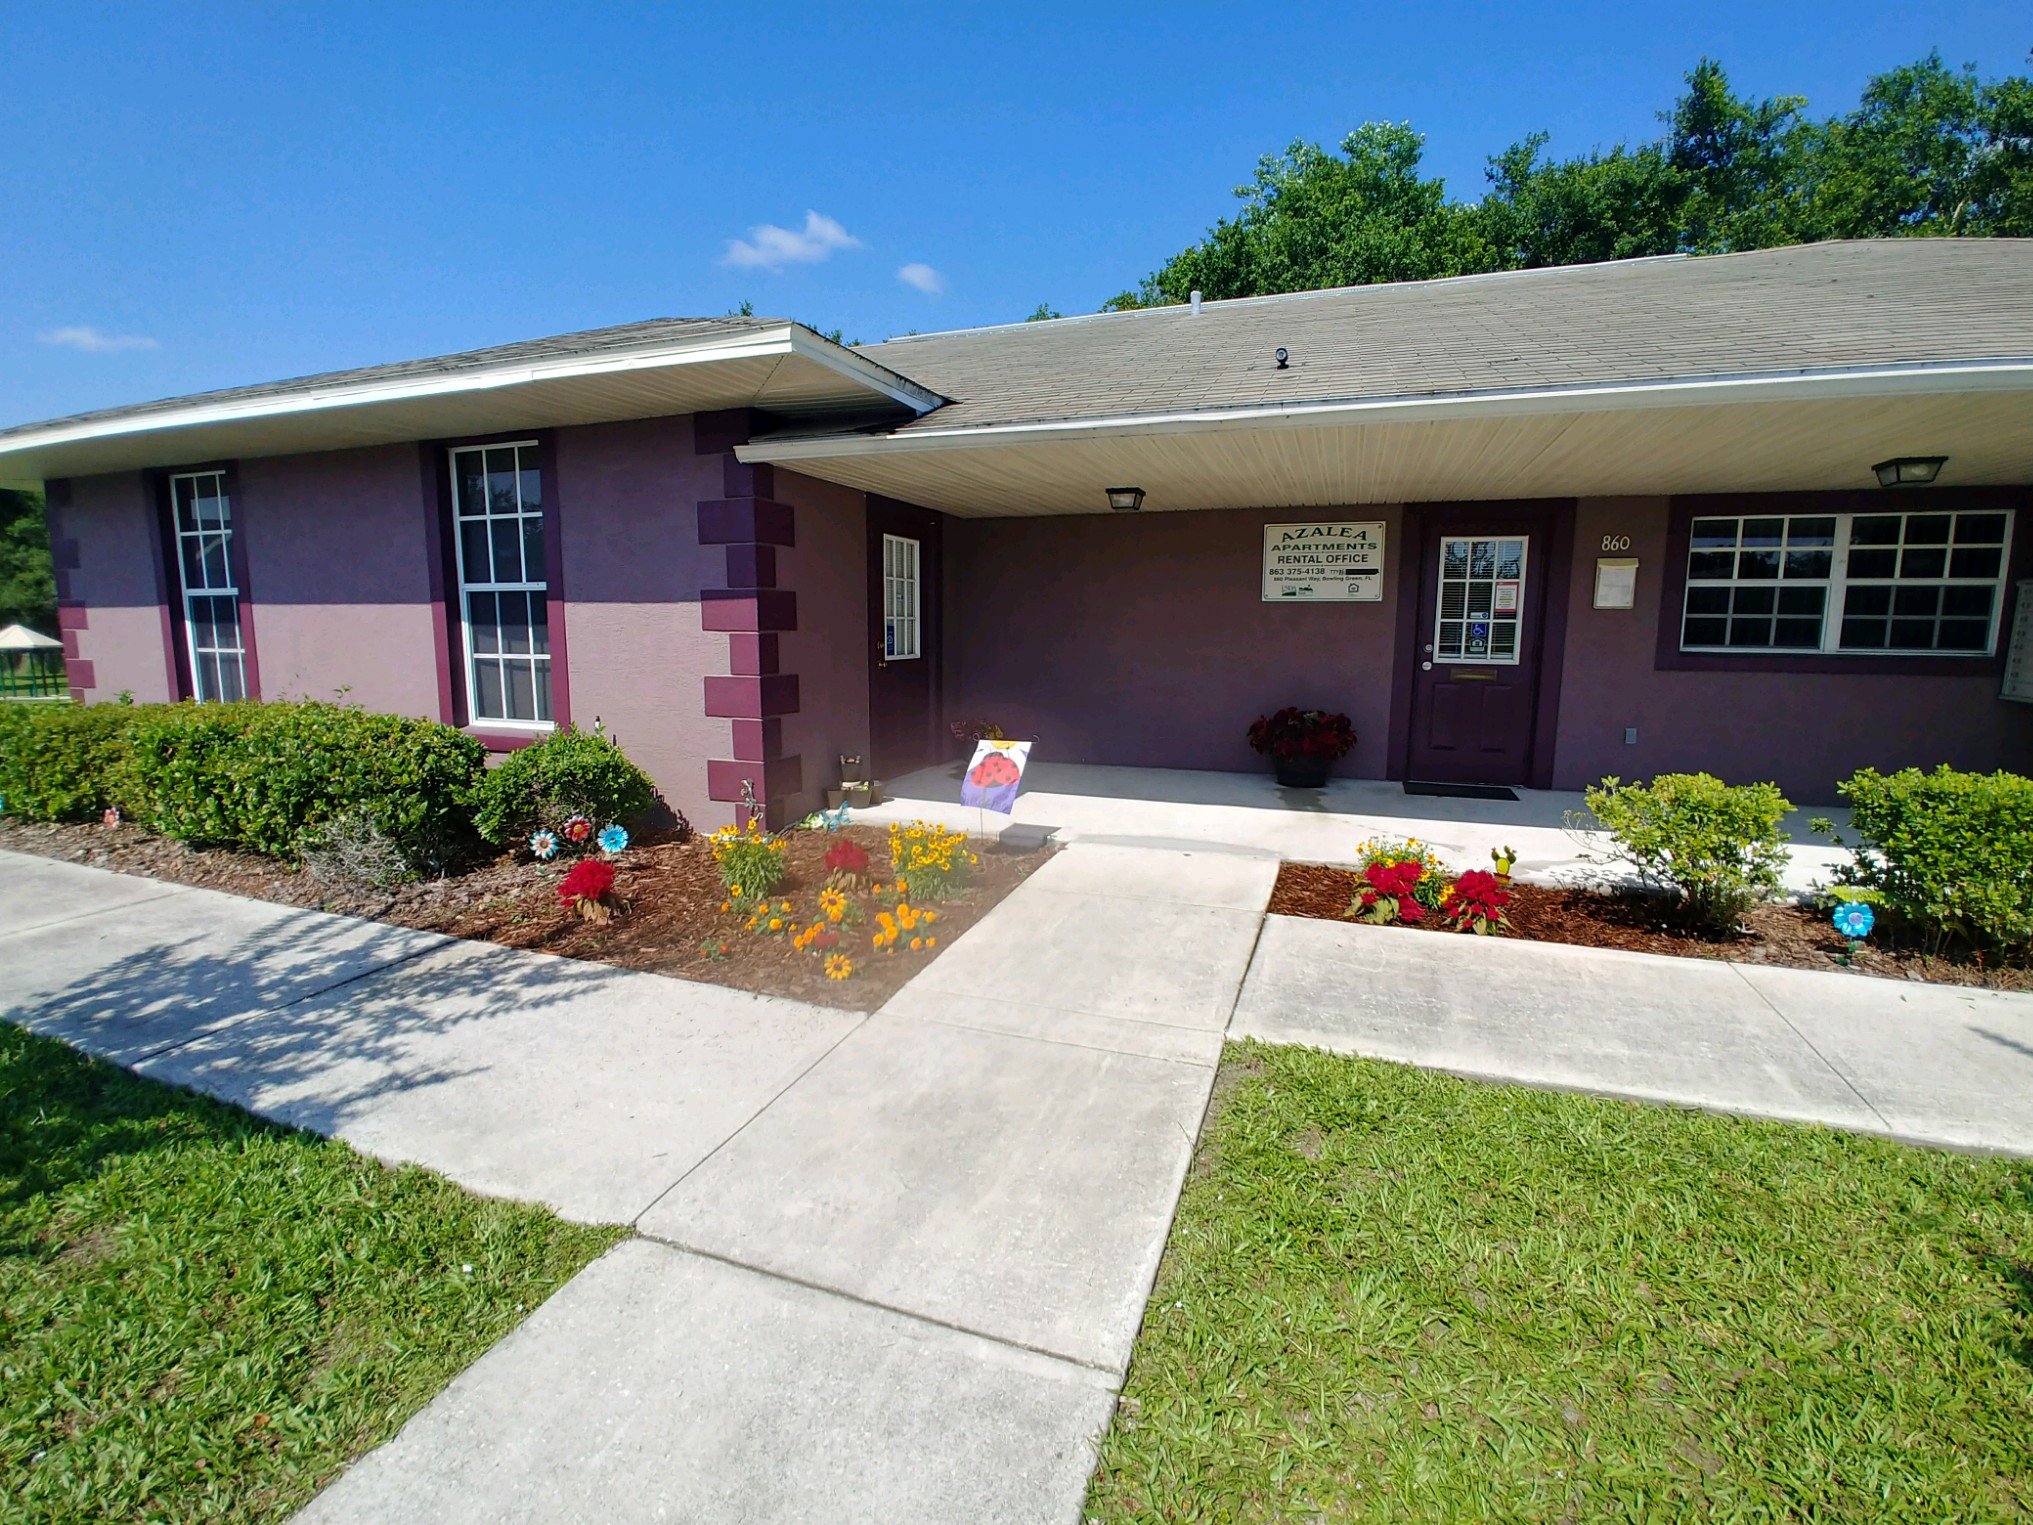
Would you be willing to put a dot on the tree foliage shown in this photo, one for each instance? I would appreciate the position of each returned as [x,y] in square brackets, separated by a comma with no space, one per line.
[27,583]
[1928,150]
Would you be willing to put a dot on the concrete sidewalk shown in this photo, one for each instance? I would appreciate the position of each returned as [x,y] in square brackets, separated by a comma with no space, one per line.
[894,1265]
[1932,1064]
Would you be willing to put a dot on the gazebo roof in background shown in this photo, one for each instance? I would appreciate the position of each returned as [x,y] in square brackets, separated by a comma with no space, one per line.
[21,638]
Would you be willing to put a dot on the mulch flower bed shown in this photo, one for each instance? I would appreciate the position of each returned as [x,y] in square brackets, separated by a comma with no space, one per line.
[669,893]
[1792,936]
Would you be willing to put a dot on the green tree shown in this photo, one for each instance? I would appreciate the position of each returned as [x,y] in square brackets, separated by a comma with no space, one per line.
[1044,312]
[1928,150]
[1312,218]
[27,583]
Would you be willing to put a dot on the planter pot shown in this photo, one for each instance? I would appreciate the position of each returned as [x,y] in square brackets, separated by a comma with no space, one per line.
[860,797]
[1301,772]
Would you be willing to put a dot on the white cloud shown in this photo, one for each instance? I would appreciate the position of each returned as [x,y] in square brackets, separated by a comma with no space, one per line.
[93,342]
[769,247]
[922,278]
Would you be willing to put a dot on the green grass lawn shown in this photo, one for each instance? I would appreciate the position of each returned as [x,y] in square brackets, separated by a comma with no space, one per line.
[203,1316]
[1398,1296]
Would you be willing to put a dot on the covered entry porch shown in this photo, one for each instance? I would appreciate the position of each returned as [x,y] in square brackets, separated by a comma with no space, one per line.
[1249,813]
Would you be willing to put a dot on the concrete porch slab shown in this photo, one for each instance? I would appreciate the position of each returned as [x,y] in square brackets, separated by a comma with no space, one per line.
[171,966]
[659,1386]
[588,1088]
[38,892]
[1939,1063]
[1018,1188]
[1081,802]
[1619,1024]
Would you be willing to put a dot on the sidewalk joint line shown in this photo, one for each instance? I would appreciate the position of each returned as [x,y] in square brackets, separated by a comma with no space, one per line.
[1848,1084]
[775,1097]
[933,1320]
[1092,1048]
[170,890]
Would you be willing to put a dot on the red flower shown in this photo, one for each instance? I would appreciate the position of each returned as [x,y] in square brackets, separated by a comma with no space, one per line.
[1410,909]
[590,879]
[1293,732]
[847,856]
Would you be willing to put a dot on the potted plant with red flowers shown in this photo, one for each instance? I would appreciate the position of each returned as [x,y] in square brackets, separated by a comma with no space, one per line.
[1303,745]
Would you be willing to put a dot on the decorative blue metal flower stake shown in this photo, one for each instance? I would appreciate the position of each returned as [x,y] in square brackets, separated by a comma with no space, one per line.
[1853,920]
[613,838]
[543,844]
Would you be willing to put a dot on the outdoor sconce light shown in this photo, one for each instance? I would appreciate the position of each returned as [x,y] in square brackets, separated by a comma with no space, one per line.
[1909,470]
[1125,500]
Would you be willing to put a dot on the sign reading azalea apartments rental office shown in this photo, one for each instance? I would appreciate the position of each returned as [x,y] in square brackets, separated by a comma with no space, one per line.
[1337,562]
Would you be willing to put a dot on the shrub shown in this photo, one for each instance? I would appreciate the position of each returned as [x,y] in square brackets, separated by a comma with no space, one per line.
[930,862]
[568,773]
[751,860]
[1718,846]
[351,850]
[65,762]
[1948,851]
[266,778]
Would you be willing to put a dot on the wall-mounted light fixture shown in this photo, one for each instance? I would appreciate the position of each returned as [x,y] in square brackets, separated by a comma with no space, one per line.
[1125,500]
[1909,470]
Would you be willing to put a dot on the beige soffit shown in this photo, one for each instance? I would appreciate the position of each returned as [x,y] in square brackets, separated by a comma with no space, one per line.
[647,370]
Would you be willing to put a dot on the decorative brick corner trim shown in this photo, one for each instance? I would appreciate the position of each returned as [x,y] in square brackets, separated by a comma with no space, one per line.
[753,612]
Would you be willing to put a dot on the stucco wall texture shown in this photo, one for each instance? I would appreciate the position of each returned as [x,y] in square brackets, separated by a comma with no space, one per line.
[338,575]
[632,570]
[116,585]
[1804,731]
[829,651]
[1143,639]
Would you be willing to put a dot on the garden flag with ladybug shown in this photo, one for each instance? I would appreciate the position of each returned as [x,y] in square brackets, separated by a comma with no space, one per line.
[994,774]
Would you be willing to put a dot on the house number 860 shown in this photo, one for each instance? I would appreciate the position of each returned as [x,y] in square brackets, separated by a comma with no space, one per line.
[1616,542]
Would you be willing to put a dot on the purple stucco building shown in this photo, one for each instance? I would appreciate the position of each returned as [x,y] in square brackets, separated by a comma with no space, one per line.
[1526,529]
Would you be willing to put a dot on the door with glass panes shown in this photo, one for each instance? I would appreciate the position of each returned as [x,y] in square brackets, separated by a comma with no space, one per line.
[1475,694]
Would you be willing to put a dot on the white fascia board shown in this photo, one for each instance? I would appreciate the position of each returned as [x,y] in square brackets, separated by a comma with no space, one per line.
[766,343]
[837,358]
[1887,381]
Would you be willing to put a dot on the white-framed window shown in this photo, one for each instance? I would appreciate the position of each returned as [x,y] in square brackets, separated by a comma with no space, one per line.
[899,598]
[211,594]
[498,529]
[1923,582]
[1482,598]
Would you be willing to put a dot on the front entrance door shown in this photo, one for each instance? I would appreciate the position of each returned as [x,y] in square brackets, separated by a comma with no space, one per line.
[903,636]
[1475,696]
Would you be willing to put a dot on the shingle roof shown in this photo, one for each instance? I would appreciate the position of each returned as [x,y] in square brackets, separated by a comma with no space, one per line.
[594,341]
[1814,307]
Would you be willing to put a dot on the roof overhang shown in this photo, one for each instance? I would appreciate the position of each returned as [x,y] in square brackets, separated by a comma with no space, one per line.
[786,370]
[1799,431]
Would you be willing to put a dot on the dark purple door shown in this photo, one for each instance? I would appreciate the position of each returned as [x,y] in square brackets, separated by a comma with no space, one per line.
[903,637]
[1481,619]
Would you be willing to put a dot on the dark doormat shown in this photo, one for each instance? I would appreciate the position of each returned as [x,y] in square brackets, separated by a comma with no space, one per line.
[1463,791]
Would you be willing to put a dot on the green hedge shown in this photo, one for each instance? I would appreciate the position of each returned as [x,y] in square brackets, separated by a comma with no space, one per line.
[568,773]
[64,762]
[258,777]
[1948,852]
[1718,845]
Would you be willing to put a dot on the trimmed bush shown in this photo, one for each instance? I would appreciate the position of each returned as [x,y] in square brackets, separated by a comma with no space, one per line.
[1718,846]
[65,762]
[568,773]
[266,778]
[1948,852]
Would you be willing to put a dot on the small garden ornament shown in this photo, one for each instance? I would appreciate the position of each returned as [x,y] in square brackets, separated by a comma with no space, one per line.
[1504,859]
[613,839]
[1853,919]
[543,844]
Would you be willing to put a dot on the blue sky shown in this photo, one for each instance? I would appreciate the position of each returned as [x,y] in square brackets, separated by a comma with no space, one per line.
[198,196]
